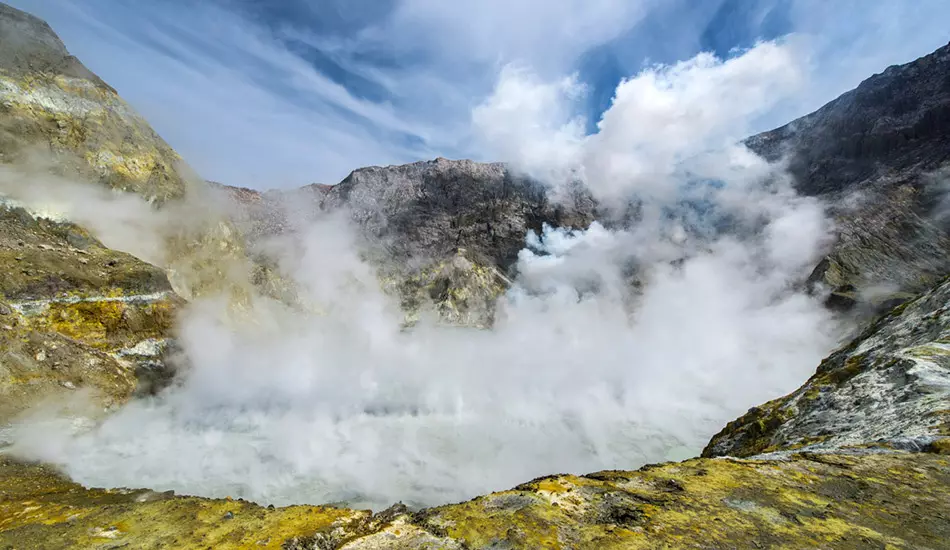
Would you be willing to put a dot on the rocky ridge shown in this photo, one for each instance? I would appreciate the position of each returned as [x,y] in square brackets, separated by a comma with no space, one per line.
[58,118]
[49,101]
[877,155]
[888,388]
[856,458]
[444,234]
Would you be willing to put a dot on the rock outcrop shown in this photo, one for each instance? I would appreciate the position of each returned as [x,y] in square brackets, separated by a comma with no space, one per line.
[448,232]
[444,234]
[50,102]
[888,388]
[77,313]
[878,155]
[83,315]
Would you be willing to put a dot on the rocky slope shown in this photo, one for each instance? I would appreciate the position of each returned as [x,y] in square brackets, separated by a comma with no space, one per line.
[890,388]
[897,500]
[878,155]
[50,102]
[443,233]
[113,312]
[76,314]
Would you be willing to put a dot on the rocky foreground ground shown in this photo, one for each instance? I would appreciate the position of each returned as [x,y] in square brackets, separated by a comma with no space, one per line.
[858,457]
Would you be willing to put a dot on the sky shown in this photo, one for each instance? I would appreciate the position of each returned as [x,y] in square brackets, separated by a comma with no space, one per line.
[278,94]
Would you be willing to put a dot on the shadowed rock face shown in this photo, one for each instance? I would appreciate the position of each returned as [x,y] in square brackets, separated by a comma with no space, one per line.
[432,209]
[447,233]
[893,124]
[878,154]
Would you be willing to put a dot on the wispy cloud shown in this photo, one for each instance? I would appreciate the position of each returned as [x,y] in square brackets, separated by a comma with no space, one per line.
[278,94]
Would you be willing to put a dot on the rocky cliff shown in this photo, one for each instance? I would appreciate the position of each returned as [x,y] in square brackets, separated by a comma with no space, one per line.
[443,233]
[50,102]
[877,154]
[78,314]
[888,388]
[858,457]
[114,311]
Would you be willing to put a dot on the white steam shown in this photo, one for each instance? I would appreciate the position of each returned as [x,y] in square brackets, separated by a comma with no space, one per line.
[583,371]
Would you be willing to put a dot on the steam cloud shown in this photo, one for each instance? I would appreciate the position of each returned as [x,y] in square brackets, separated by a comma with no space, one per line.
[583,371]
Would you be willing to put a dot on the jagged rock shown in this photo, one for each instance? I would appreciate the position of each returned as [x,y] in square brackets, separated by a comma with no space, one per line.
[79,314]
[460,291]
[431,209]
[42,259]
[50,102]
[876,155]
[444,233]
[107,308]
[888,387]
[470,217]
[39,366]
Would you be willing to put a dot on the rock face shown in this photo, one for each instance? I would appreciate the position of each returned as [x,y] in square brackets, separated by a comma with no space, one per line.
[79,314]
[890,387]
[443,233]
[57,116]
[83,316]
[432,209]
[448,232]
[50,102]
[878,154]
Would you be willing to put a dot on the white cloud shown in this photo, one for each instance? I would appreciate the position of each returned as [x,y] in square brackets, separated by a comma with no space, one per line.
[662,122]
[532,123]
[665,116]
[547,36]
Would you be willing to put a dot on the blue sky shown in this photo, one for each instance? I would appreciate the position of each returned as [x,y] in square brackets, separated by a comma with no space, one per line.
[267,93]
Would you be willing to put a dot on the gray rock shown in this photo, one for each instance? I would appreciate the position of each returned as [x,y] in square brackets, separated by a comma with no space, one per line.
[889,387]
[876,155]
